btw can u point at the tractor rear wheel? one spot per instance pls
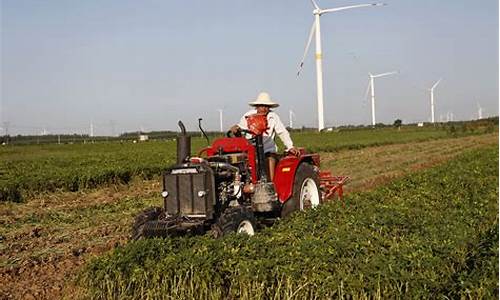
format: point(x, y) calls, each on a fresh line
point(238, 220)
point(306, 193)
point(149, 214)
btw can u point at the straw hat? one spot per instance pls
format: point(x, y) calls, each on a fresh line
point(264, 99)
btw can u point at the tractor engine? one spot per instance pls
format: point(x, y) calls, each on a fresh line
point(201, 188)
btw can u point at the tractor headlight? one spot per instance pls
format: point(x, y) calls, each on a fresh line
point(164, 194)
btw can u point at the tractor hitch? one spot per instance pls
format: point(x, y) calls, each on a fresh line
point(331, 185)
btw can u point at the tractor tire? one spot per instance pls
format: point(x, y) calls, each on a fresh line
point(149, 214)
point(238, 220)
point(306, 193)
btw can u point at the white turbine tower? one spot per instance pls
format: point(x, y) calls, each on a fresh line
point(290, 118)
point(315, 29)
point(449, 116)
point(371, 87)
point(432, 99)
point(220, 120)
point(479, 111)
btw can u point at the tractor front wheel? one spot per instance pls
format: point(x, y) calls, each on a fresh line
point(306, 192)
point(238, 220)
point(149, 214)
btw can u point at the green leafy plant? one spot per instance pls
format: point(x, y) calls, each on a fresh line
point(433, 234)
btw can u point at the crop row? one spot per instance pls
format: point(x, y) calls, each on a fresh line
point(28, 170)
point(433, 234)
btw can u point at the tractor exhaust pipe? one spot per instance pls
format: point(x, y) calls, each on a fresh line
point(183, 144)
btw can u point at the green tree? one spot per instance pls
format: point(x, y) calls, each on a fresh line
point(398, 123)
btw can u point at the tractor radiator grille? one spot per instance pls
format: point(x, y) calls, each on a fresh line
point(190, 193)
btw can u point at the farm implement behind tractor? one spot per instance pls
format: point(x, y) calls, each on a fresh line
point(226, 188)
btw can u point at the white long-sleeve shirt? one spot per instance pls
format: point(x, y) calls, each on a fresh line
point(275, 127)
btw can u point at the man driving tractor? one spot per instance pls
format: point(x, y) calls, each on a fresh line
point(263, 105)
point(227, 189)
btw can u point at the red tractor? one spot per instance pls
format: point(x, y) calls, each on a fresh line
point(226, 189)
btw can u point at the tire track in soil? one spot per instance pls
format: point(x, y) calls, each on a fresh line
point(45, 242)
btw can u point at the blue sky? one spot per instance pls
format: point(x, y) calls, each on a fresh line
point(146, 64)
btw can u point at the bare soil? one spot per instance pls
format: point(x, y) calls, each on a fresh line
point(46, 241)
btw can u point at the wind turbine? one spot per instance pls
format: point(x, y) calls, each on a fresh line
point(432, 98)
point(220, 119)
point(371, 86)
point(290, 118)
point(449, 116)
point(315, 29)
point(479, 111)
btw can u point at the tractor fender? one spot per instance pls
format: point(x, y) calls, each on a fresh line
point(284, 175)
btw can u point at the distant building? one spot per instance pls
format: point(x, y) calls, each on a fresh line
point(143, 137)
point(421, 124)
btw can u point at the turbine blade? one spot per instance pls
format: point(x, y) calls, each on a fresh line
point(350, 7)
point(315, 4)
point(385, 74)
point(313, 29)
point(436, 84)
point(367, 88)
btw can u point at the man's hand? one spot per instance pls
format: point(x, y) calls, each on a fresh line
point(294, 151)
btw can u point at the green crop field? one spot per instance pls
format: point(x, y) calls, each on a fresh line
point(29, 170)
point(432, 234)
point(38, 168)
point(46, 241)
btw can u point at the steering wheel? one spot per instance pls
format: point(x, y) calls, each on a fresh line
point(229, 134)
point(239, 133)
